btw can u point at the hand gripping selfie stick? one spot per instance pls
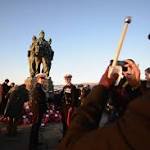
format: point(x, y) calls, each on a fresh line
point(118, 50)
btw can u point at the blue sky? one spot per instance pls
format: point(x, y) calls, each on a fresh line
point(85, 34)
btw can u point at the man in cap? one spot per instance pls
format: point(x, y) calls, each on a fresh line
point(39, 107)
point(69, 100)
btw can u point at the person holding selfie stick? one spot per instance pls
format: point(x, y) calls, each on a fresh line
point(114, 67)
point(130, 132)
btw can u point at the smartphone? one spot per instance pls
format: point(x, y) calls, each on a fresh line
point(120, 63)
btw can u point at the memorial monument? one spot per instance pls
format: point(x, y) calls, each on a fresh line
point(40, 56)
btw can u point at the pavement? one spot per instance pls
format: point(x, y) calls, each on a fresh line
point(49, 136)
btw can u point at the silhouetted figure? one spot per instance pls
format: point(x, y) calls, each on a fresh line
point(38, 107)
point(17, 97)
point(5, 89)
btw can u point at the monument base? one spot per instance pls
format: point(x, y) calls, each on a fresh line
point(48, 84)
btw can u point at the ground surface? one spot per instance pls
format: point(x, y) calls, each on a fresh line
point(49, 136)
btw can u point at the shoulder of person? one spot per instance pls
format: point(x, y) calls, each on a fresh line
point(143, 82)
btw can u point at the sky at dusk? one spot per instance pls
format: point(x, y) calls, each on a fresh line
point(84, 33)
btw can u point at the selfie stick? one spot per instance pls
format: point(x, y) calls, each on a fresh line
point(118, 50)
point(125, 28)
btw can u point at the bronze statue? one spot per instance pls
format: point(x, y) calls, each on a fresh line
point(31, 56)
point(40, 53)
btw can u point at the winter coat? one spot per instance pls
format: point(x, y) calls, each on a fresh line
point(69, 96)
point(16, 100)
point(38, 101)
point(130, 132)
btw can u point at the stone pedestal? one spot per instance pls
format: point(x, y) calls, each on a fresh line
point(48, 84)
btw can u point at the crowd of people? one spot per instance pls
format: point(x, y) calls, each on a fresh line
point(80, 110)
point(23, 105)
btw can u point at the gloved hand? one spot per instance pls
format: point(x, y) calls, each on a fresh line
point(108, 81)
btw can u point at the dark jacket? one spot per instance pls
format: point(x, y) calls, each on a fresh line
point(69, 95)
point(121, 96)
point(3, 103)
point(5, 88)
point(38, 98)
point(16, 100)
point(130, 132)
point(145, 86)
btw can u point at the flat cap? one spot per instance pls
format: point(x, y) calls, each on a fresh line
point(67, 76)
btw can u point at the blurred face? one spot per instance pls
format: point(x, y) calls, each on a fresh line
point(130, 70)
point(132, 74)
point(68, 80)
point(147, 76)
point(41, 80)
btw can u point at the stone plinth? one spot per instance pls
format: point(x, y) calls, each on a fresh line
point(48, 84)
